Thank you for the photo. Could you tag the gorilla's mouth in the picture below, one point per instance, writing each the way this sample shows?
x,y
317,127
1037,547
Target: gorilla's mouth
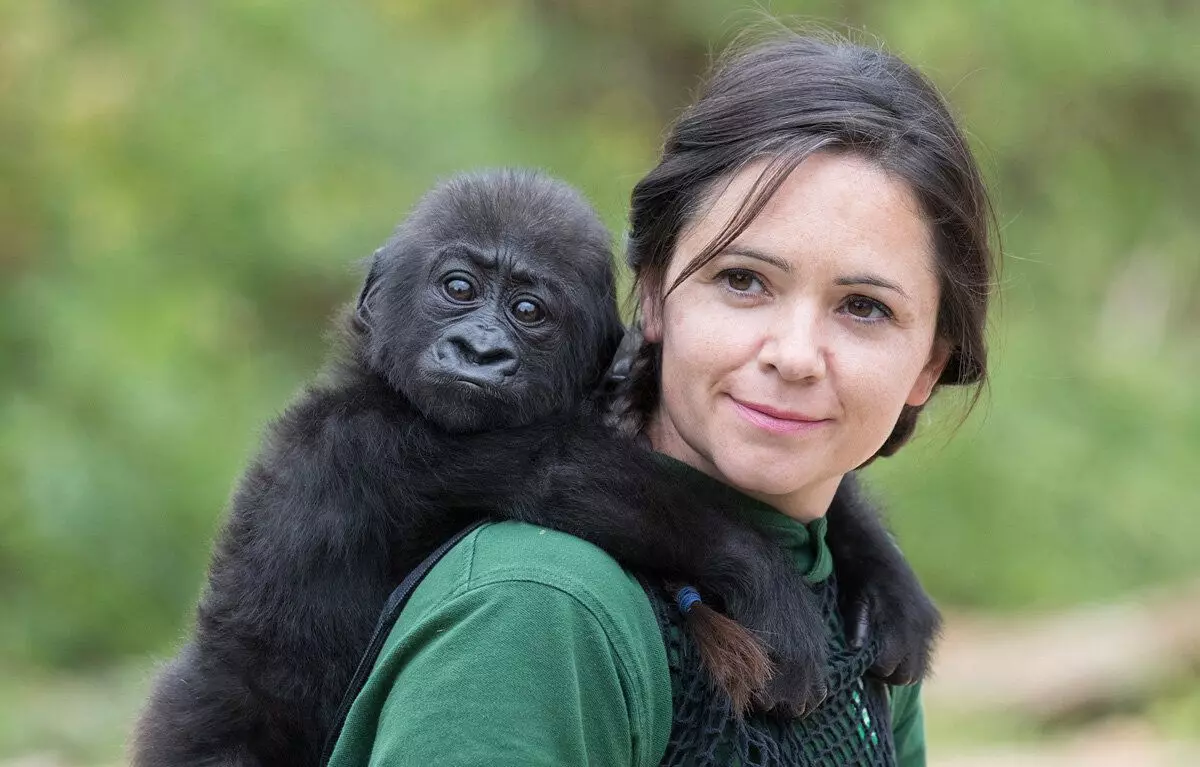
x,y
466,404
459,391
480,389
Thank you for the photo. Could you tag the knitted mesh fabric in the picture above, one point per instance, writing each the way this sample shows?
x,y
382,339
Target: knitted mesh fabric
x,y
851,727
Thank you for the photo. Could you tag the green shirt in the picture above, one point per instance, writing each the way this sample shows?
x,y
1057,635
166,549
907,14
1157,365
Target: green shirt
x,y
526,646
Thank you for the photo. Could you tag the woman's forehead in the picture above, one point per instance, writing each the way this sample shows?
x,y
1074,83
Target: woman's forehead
x,y
836,208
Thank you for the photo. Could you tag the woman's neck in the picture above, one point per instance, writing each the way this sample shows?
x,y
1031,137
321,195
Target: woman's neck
x,y
804,504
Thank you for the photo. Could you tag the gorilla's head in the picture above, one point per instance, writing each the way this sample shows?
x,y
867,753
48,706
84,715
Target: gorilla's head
x,y
494,303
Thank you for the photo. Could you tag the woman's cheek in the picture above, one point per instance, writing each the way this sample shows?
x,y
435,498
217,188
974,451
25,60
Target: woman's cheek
x,y
874,392
707,333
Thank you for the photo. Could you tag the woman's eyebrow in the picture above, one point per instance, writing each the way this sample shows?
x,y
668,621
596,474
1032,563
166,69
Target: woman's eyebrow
x,y
748,252
869,279
785,266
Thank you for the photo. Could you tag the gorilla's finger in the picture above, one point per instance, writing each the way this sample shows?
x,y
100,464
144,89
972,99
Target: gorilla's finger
x,y
859,623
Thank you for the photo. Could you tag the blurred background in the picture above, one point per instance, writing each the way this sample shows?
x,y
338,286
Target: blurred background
x,y
187,191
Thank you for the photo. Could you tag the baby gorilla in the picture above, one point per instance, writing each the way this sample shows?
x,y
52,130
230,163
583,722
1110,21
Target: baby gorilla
x,y
465,389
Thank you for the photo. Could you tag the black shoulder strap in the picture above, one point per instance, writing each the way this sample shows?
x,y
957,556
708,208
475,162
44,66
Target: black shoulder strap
x,y
387,618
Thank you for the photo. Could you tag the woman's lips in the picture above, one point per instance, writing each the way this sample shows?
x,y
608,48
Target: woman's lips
x,y
775,420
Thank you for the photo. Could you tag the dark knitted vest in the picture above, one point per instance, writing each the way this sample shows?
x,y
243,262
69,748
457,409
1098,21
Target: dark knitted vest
x,y
851,727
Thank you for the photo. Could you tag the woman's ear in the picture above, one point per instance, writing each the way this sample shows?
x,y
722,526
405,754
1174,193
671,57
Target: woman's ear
x,y
939,355
651,312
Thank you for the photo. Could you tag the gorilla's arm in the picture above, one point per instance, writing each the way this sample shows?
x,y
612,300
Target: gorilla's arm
x,y
584,481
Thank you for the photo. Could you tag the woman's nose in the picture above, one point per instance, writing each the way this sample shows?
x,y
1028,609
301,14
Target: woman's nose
x,y
795,347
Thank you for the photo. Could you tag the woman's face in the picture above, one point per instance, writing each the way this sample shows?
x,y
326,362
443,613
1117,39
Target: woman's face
x,y
786,359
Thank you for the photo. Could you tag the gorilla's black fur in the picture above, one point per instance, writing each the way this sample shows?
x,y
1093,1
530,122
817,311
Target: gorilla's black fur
x,y
464,389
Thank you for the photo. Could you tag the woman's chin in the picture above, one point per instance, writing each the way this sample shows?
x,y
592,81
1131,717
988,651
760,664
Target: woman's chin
x,y
766,475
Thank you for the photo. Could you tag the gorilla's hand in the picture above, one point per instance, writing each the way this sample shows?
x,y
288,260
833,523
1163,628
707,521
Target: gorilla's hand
x,y
880,597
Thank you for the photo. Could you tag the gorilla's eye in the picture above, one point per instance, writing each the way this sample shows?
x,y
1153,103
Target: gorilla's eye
x,y
528,312
459,289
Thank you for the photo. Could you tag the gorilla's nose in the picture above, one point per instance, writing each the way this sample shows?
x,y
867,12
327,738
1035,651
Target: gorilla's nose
x,y
485,354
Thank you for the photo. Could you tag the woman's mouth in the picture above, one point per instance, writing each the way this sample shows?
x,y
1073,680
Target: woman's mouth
x,y
776,420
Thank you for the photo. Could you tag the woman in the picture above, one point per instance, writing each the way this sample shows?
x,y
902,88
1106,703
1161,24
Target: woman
x,y
812,262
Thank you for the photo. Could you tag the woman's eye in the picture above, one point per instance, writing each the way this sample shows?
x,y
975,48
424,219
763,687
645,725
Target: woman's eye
x,y
528,312
459,289
866,308
742,281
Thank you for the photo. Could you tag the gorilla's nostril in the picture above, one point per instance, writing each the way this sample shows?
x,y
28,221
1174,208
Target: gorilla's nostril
x,y
463,349
497,358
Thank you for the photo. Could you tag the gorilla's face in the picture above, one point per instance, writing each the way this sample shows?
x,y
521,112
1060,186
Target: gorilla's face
x,y
494,308
487,340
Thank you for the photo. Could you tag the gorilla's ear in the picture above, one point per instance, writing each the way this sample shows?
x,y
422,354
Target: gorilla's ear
x,y
366,297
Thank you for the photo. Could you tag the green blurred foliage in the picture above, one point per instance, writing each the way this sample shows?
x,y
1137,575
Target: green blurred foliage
x,y
187,191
